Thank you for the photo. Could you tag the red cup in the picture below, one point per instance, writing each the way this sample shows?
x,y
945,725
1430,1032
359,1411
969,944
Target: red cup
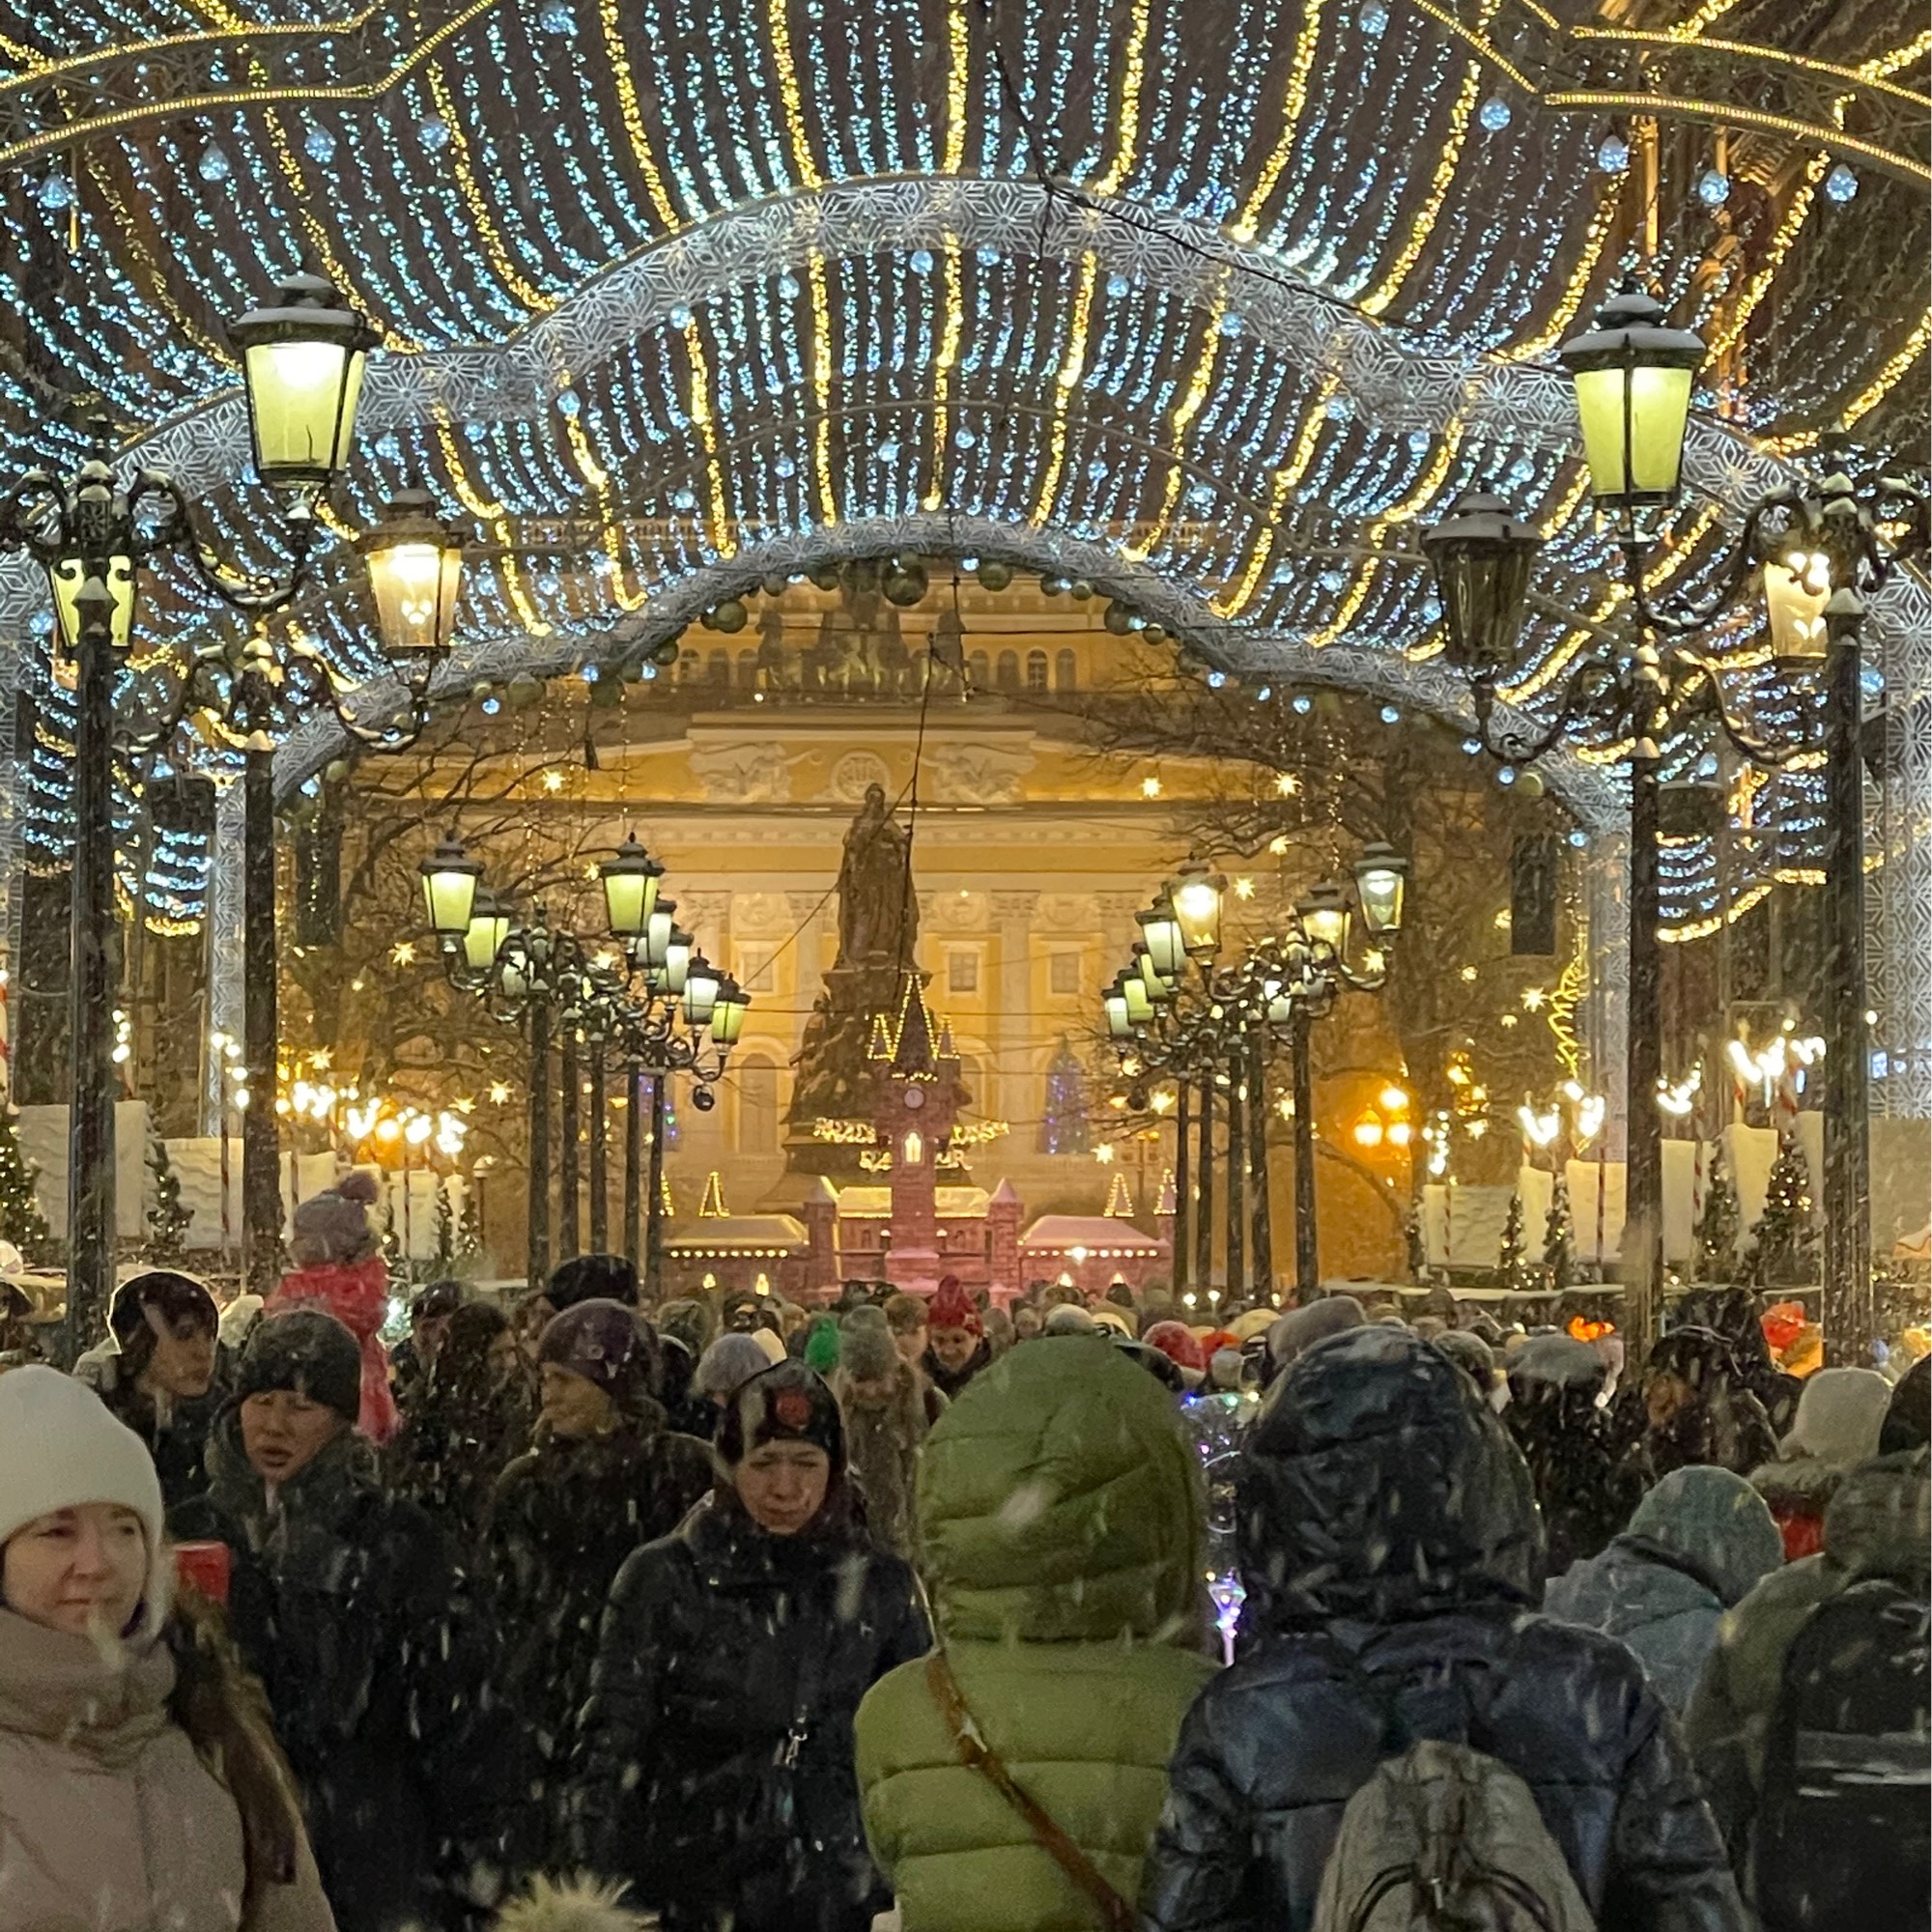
x,y
205,1566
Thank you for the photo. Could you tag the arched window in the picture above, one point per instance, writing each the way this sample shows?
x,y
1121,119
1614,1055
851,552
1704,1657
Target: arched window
x,y
1037,672
748,670
718,667
1065,672
1007,675
978,669
687,666
757,1105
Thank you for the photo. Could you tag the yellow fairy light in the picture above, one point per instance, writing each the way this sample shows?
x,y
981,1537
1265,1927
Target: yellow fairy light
x,y
403,954
778,28
1066,380
951,331
617,60
958,73
499,1092
1278,844
821,390
552,780
722,535
1184,412
481,210
1468,973
1534,999
1133,71
1244,889
1150,788
1300,65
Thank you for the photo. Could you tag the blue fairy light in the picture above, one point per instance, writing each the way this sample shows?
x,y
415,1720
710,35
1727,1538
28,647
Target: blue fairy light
x,y
1841,184
1494,114
213,165
1118,286
1613,155
1216,679
963,438
1714,187
1333,580
1391,715
318,145
680,317
1374,19
568,402
56,194
557,19
922,261
433,131
788,286
1303,704
683,500
887,452
784,468
987,255
1231,325
491,706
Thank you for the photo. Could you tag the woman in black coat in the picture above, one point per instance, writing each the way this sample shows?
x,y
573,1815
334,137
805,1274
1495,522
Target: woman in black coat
x,y
715,1774
471,1417
606,1476
1391,1553
355,1611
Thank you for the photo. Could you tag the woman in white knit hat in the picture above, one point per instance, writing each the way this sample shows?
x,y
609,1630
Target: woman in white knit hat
x,y
140,1784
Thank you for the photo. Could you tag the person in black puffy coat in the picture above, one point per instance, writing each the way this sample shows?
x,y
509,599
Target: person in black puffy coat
x,y
356,1613
715,1774
1390,1549
1587,1480
606,1476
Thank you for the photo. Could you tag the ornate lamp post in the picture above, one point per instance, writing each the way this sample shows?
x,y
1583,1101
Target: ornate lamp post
x,y
302,360
1813,553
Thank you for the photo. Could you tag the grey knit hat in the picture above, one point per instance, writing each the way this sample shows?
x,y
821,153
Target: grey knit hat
x,y
728,1363
866,1350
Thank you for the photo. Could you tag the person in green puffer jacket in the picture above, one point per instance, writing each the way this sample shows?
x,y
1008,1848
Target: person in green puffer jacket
x,y
1060,1535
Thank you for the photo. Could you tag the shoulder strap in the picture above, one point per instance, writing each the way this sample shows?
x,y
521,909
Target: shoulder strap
x,y
1116,1914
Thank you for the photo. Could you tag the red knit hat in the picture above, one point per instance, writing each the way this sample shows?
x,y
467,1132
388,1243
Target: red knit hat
x,y
1175,1340
951,1307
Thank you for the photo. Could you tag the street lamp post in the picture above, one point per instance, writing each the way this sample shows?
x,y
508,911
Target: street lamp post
x,y
302,362
1815,552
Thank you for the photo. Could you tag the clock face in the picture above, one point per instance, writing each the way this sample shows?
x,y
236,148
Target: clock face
x,y
915,1097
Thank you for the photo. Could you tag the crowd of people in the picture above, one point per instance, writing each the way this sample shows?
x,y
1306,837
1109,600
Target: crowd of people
x,y
1059,1617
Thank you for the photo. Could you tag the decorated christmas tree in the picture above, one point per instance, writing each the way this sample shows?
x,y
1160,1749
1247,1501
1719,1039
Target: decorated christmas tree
x,y
1064,1127
1559,1238
1785,1252
1119,1198
1717,1226
22,1221
445,1229
470,1226
1514,1271
167,1219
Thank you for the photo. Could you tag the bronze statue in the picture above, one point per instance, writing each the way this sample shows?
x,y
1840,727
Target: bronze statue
x,y
878,917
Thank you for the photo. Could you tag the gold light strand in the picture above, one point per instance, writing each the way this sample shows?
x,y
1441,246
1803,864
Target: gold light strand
x,y
821,390
488,233
780,26
1133,73
155,277
634,130
466,494
1295,103
1603,225
1446,165
1424,489
318,235
722,537
1261,553
951,331
493,514
1708,15
1300,455
598,479
1066,379
1874,393
1185,411
958,72
1889,64
1753,292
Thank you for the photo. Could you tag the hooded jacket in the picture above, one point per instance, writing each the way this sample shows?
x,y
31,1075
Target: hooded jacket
x,y
563,1519
1721,1422
716,1769
1061,1531
1698,1543
1877,1524
883,1439
1390,1549
356,1613
1840,1417
109,1820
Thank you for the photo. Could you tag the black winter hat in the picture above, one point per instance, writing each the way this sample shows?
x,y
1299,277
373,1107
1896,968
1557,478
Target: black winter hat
x,y
592,1278
308,1352
787,1404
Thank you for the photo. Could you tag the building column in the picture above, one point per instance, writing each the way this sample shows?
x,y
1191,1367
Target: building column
x,y
1013,919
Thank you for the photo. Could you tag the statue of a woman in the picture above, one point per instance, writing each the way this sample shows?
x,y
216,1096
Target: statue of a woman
x,y
878,917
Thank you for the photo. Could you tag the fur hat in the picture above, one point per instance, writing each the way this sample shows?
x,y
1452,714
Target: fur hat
x,y
333,1226
1299,1330
728,1363
600,1341
306,1350
786,1404
1841,1413
571,1904
592,1278
951,1307
866,1347
60,1448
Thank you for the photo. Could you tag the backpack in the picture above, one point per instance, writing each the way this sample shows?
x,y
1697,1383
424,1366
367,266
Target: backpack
x,y
1842,1835
1442,1838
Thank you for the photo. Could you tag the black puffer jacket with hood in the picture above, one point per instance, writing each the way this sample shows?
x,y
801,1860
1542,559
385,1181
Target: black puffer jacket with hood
x,y
1391,1551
